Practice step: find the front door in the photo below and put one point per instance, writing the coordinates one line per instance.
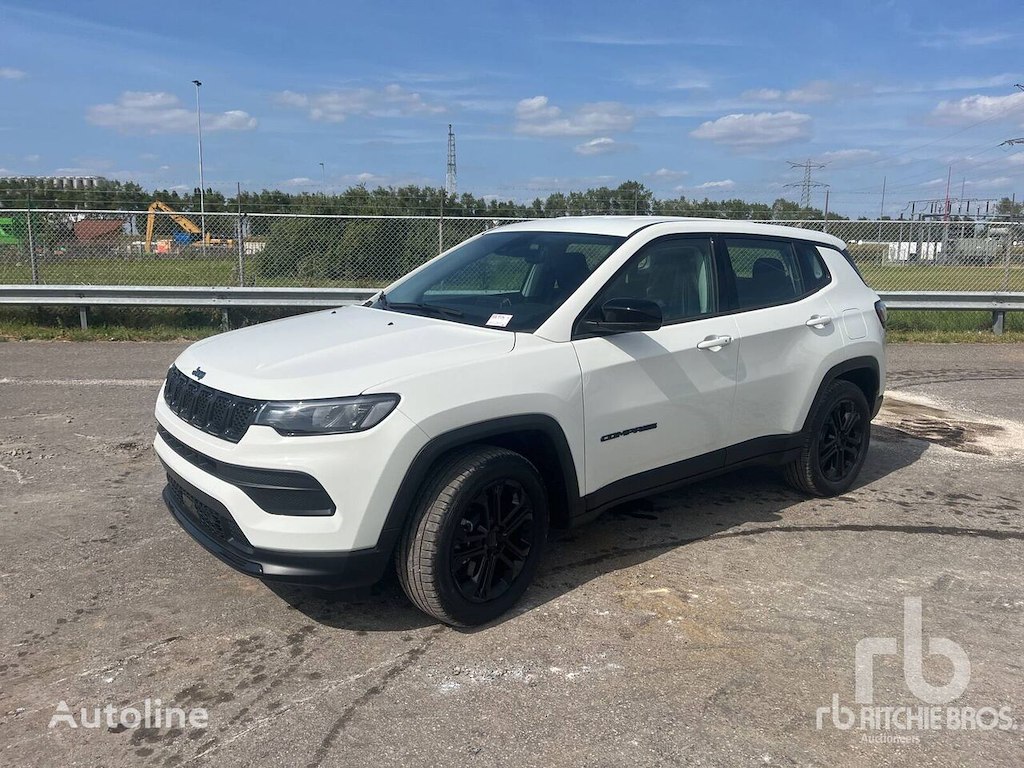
(657, 398)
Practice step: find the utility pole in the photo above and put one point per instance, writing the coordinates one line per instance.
(202, 185)
(881, 210)
(806, 185)
(450, 184)
(949, 178)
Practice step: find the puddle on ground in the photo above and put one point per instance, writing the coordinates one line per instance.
(925, 419)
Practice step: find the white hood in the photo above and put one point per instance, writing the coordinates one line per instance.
(337, 352)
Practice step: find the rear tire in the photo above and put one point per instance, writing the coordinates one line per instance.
(476, 536)
(835, 442)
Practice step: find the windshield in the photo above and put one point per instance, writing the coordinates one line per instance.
(510, 280)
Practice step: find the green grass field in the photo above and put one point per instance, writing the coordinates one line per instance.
(922, 277)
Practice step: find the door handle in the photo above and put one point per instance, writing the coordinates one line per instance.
(819, 321)
(714, 343)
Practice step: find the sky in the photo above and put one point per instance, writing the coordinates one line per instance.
(702, 99)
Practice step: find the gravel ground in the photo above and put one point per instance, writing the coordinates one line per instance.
(702, 627)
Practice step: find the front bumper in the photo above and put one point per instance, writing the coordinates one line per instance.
(208, 522)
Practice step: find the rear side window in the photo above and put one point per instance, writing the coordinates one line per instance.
(766, 271)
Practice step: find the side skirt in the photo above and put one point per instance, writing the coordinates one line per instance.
(773, 450)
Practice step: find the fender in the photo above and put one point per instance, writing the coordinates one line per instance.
(836, 372)
(501, 431)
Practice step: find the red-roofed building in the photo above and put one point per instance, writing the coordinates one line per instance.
(97, 230)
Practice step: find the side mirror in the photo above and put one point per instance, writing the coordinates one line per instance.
(625, 316)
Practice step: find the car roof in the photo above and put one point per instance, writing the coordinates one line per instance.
(624, 226)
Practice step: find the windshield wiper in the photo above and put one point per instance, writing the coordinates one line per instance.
(446, 311)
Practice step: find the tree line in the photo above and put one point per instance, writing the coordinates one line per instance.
(630, 197)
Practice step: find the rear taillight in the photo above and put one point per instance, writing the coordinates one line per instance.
(882, 312)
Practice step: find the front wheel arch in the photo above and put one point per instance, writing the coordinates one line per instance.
(538, 437)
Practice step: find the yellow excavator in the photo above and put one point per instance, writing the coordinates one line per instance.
(190, 234)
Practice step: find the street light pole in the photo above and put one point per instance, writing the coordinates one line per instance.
(323, 180)
(202, 185)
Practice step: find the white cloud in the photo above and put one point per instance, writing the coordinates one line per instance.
(673, 78)
(755, 130)
(338, 105)
(968, 83)
(364, 178)
(964, 38)
(763, 94)
(978, 107)
(10, 73)
(160, 112)
(600, 146)
(841, 157)
(667, 174)
(721, 186)
(537, 117)
(31, 158)
(814, 91)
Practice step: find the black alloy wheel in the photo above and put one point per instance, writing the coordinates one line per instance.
(493, 541)
(841, 441)
(834, 442)
(476, 535)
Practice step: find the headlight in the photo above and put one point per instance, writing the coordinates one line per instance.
(326, 417)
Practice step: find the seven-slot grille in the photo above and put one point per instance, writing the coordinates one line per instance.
(214, 412)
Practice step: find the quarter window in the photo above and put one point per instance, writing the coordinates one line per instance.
(812, 266)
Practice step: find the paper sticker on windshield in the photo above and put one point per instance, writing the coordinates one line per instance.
(499, 320)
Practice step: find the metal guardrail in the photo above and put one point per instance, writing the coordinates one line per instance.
(84, 296)
(222, 297)
(952, 300)
(180, 296)
(996, 303)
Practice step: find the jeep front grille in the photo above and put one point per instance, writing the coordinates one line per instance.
(214, 412)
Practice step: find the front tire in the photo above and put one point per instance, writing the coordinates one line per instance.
(835, 443)
(476, 536)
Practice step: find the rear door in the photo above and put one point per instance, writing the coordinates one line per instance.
(655, 399)
(785, 327)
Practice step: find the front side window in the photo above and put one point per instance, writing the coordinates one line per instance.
(509, 280)
(675, 273)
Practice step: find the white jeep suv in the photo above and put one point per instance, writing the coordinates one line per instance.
(532, 376)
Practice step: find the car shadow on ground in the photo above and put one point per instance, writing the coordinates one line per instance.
(623, 537)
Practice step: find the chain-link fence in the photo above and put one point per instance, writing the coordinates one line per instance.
(159, 247)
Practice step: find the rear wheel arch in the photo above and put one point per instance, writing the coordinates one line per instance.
(864, 372)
